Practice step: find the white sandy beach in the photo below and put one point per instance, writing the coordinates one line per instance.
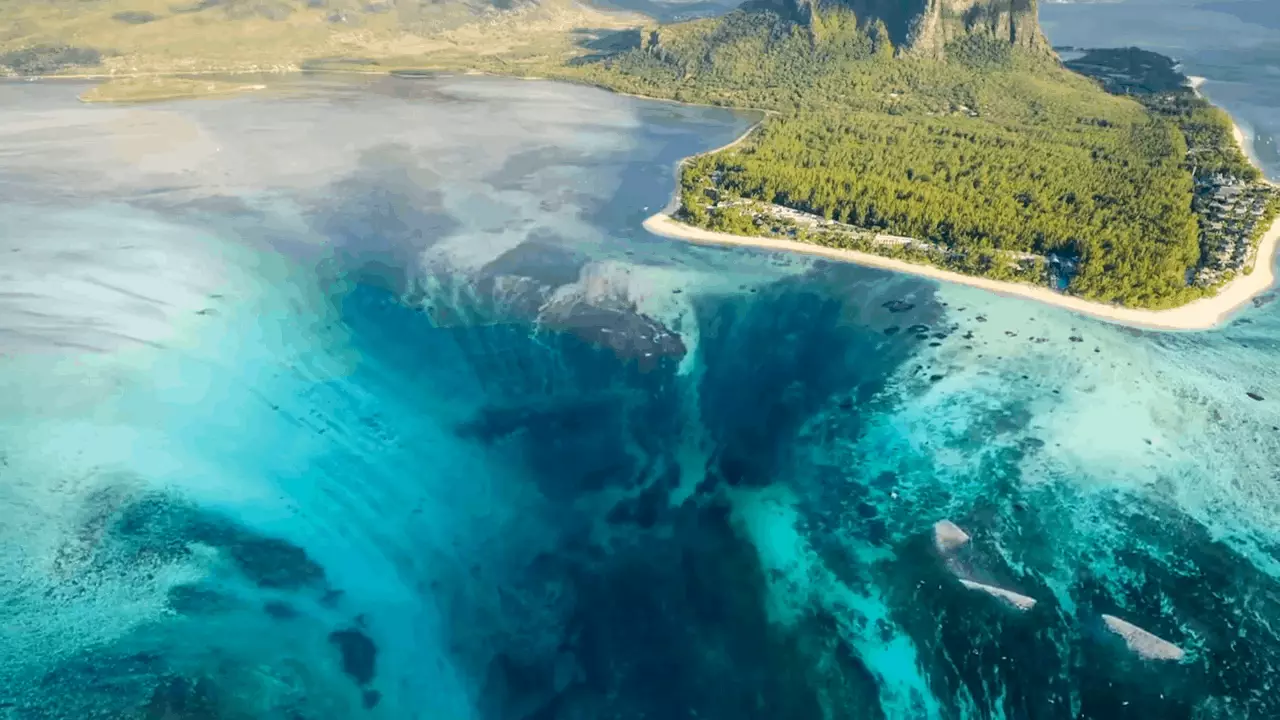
(1200, 314)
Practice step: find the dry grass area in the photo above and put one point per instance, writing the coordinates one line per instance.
(141, 38)
(161, 87)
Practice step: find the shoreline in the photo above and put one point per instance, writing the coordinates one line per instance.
(1203, 314)
(1243, 141)
(673, 203)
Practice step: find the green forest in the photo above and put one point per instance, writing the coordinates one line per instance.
(1154, 81)
(992, 150)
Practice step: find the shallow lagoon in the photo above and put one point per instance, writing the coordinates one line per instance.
(372, 399)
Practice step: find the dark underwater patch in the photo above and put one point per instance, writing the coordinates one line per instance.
(553, 417)
(196, 600)
(774, 359)
(179, 698)
(280, 610)
(158, 528)
(620, 327)
(541, 259)
(359, 654)
(669, 617)
(389, 214)
(272, 563)
(676, 627)
(519, 169)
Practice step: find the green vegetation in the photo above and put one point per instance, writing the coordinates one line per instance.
(1153, 80)
(48, 59)
(994, 152)
(1233, 206)
(998, 159)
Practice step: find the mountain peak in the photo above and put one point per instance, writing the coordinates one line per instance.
(926, 27)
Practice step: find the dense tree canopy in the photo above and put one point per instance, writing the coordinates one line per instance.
(990, 150)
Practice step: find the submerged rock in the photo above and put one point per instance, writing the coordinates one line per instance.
(1142, 642)
(195, 600)
(1013, 599)
(359, 654)
(948, 536)
(280, 610)
(178, 697)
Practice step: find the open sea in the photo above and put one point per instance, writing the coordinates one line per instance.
(371, 398)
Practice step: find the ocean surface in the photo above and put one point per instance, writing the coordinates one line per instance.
(1231, 43)
(372, 399)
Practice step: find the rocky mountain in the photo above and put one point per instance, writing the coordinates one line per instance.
(926, 27)
(1012, 21)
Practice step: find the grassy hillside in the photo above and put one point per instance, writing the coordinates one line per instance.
(993, 153)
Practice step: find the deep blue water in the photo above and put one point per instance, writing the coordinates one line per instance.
(372, 399)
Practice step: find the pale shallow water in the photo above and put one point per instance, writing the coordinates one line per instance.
(373, 399)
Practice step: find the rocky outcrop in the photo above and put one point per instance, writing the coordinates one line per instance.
(1005, 21)
(927, 27)
(948, 536)
(1143, 643)
(1014, 600)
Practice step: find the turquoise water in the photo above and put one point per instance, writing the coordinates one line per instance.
(373, 399)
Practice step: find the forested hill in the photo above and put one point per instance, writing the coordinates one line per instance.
(1001, 161)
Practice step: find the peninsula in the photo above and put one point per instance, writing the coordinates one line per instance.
(1237, 265)
(1106, 184)
(940, 137)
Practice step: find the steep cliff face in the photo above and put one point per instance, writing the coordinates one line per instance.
(925, 27)
(943, 21)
